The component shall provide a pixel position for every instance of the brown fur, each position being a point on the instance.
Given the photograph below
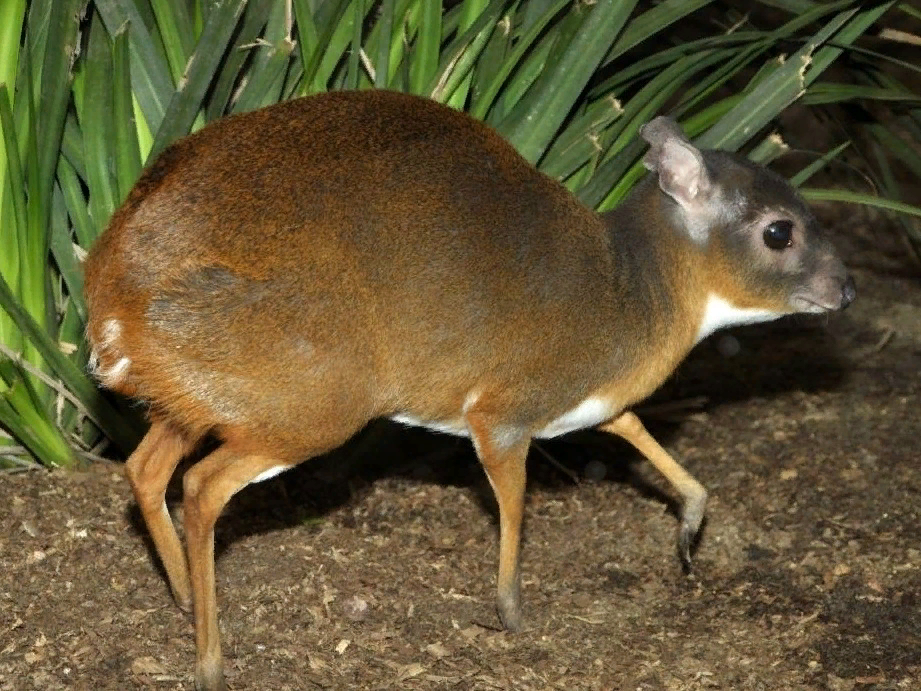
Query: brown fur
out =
(282, 277)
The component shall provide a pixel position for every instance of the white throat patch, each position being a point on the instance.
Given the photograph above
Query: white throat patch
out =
(719, 314)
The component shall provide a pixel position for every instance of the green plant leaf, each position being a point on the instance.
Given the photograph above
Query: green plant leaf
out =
(150, 75)
(97, 123)
(62, 248)
(127, 149)
(781, 87)
(426, 47)
(174, 28)
(117, 427)
(460, 57)
(199, 73)
(532, 131)
(801, 177)
(484, 101)
(849, 197)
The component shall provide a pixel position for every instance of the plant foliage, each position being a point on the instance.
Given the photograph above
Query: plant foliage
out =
(91, 90)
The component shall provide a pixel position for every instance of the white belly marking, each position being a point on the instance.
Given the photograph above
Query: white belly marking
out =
(458, 429)
(589, 413)
(271, 472)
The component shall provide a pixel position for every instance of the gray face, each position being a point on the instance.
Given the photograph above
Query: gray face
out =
(780, 254)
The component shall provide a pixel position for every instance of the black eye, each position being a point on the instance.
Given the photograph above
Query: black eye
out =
(779, 235)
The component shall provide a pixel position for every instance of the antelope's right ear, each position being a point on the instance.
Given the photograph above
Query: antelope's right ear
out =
(680, 166)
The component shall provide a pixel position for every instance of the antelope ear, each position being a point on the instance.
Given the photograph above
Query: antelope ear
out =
(682, 173)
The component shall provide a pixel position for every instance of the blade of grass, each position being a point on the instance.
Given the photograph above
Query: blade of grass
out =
(72, 145)
(559, 86)
(17, 79)
(199, 73)
(48, 112)
(850, 32)
(17, 196)
(582, 139)
(832, 195)
(269, 61)
(650, 99)
(549, 50)
(12, 15)
(768, 149)
(127, 150)
(526, 73)
(823, 93)
(72, 190)
(802, 176)
(232, 72)
(117, 427)
(21, 419)
(14, 198)
(354, 69)
(651, 22)
(327, 76)
(175, 32)
(335, 20)
(614, 177)
(150, 73)
(494, 53)
(307, 32)
(791, 6)
(452, 82)
(97, 123)
(62, 248)
(472, 10)
(425, 52)
(398, 79)
(385, 24)
(896, 147)
(775, 92)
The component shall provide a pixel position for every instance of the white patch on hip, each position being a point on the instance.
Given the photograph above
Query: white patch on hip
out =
(108, 345)
(111, 330)
(114, 374)
(718, 314)
(270, 473)
(589, 413)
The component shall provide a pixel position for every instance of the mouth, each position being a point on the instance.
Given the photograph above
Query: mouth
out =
(808, 303)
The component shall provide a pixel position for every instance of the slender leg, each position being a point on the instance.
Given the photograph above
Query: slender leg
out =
(149, 470)
(208, 487)
(628, 426)
(504, 463)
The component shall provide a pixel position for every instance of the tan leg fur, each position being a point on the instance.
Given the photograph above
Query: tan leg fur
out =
(629, 427)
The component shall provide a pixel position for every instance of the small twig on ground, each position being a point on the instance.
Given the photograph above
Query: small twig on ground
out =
(673, 411)
(880, 344)
(556, 464)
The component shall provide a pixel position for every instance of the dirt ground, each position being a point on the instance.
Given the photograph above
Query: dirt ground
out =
(375, 569)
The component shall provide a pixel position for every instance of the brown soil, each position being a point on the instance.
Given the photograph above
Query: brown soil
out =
(376, 568)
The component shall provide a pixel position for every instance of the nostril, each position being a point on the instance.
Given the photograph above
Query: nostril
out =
(848, 292)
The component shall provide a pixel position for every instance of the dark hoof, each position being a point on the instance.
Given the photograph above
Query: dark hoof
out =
(686, 539)
(210, 677)
(510, 614)
(691, 520)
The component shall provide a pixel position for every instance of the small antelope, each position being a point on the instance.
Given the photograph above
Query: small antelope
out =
(280, 278)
